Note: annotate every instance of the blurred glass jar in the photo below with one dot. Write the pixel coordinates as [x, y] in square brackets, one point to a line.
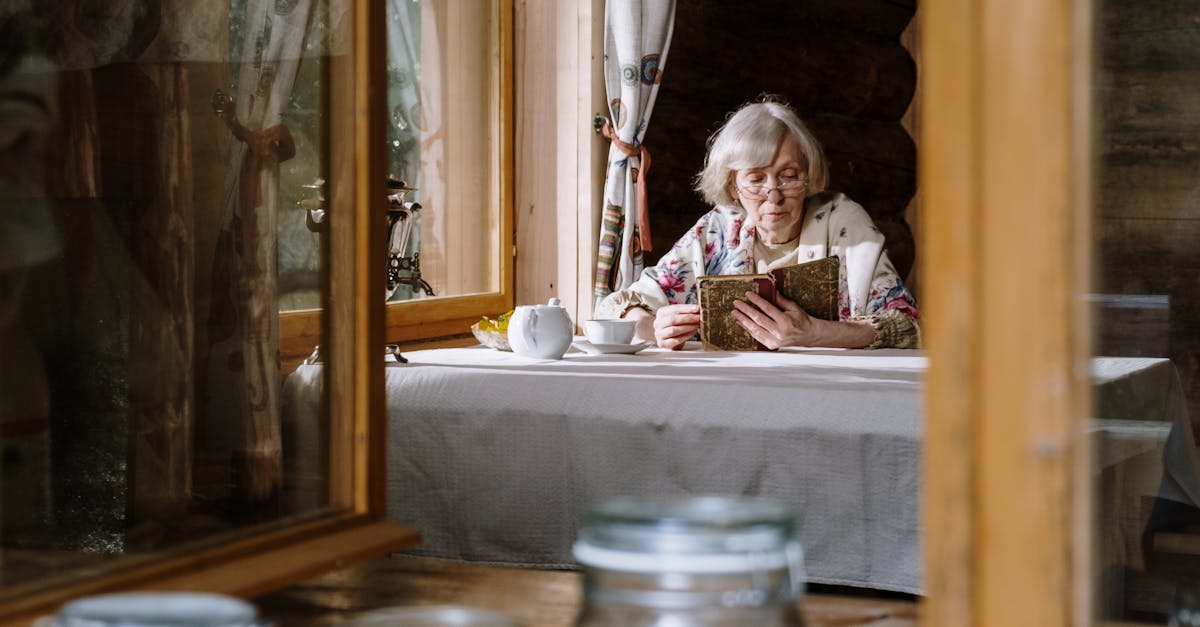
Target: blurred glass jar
[157, 609]
[707, 561]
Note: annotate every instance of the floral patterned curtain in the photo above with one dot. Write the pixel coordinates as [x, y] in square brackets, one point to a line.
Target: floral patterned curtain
[244, 319]
[637, 34]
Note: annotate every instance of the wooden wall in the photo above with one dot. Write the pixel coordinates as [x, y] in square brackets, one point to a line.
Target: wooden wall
[841, 65]
[559, 161]
[1147, 96]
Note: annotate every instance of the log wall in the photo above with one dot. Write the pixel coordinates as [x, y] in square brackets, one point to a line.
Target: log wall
[841, 65]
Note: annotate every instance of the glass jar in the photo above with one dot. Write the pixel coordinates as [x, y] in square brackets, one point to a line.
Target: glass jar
[708, 561]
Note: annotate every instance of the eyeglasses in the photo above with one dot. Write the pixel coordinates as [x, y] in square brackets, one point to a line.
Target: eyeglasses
[787, 188]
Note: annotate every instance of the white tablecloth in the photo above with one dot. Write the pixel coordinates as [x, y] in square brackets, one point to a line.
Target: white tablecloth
[495, 457]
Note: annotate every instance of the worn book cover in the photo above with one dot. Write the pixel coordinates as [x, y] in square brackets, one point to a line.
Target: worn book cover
[812, 285]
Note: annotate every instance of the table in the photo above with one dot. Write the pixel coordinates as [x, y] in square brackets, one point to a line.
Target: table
[495, 457]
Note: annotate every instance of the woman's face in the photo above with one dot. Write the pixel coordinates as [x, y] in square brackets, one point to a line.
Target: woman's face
[773, 195]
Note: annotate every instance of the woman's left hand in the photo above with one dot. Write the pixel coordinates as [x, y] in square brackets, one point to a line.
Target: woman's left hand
[778, 324]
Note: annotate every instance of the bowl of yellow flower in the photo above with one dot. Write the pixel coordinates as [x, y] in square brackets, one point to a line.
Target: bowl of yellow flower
[493, 333]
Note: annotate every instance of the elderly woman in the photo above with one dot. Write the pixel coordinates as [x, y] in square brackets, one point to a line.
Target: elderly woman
[766, 175]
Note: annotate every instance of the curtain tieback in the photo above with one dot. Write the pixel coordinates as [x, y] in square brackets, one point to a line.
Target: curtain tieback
[642, 175]
[265, 148]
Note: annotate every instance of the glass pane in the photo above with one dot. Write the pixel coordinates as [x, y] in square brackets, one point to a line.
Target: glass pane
[151, 158]
[1146, 299]
[443, 198]
[443, 60]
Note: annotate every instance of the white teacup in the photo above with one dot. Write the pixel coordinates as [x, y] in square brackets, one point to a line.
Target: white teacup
[609, 331]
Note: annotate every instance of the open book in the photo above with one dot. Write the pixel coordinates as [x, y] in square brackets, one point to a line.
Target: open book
[812, 285]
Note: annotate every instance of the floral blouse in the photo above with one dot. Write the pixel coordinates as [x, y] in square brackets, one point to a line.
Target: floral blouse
[722, 243]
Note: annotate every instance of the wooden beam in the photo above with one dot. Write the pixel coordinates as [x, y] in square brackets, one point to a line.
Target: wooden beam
[1005, 214]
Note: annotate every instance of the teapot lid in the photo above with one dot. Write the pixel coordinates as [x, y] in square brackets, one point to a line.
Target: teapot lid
[553, 303]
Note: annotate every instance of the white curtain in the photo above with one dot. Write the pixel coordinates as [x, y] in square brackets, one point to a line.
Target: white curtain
[637, 34]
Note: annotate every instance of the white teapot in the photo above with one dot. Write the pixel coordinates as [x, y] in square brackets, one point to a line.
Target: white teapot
[541, 331]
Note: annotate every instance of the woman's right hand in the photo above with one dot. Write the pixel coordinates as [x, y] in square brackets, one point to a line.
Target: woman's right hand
[676, 324]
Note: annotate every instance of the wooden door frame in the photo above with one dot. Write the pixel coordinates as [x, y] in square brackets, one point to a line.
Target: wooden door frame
[1005, 205]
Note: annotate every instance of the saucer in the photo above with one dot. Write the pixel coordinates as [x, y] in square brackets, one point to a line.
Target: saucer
[610, 349]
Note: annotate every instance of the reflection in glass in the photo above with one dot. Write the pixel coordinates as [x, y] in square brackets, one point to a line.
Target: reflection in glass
[147, 157]
[441, 112]
[1146, 296]
[440, 57]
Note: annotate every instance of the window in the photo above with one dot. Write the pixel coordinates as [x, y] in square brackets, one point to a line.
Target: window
[463, 174]
[448, 229]
[143, 419]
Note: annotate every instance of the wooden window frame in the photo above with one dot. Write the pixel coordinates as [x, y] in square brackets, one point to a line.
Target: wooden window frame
[450, 316]
[254, 561]
[1005, 215]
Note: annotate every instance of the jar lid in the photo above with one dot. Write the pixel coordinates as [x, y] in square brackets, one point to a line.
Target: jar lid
[158, 609]
[695, 534]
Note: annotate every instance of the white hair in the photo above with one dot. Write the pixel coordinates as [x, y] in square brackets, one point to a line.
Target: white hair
[749, 139]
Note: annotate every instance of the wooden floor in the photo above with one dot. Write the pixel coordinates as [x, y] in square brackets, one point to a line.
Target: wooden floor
[537, 598]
